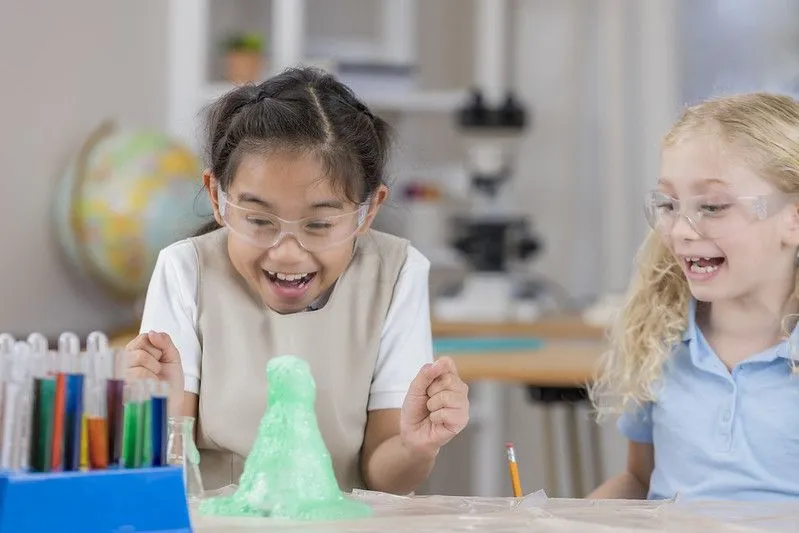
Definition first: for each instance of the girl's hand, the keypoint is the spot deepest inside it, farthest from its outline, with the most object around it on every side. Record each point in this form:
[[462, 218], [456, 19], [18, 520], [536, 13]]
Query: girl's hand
[[436, 408], [153, 356]]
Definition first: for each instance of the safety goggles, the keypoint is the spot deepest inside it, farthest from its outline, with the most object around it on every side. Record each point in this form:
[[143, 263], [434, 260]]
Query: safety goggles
[[712, 216], [315, 234]]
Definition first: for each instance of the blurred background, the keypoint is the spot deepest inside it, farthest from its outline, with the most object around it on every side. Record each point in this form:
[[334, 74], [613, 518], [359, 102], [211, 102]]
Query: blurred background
[[527, 133]]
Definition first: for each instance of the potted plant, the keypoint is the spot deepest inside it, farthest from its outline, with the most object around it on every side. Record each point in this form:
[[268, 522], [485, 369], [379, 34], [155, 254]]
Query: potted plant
[[243, 57]]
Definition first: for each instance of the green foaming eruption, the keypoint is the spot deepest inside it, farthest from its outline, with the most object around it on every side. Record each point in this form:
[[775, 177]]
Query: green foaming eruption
[[289, 472]]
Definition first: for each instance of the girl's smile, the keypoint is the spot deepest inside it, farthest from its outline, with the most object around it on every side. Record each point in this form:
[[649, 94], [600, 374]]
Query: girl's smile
[[289, 285]]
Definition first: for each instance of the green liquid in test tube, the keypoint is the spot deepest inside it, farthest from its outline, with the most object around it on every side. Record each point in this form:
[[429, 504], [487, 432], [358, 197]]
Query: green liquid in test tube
[[131, 425], [145, 434]]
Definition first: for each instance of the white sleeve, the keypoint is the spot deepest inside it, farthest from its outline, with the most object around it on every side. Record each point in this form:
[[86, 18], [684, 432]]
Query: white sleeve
[[171, 306], [406, 342]]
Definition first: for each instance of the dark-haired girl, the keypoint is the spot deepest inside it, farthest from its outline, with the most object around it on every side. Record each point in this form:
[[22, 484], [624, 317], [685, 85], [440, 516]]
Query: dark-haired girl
[[289, 265]]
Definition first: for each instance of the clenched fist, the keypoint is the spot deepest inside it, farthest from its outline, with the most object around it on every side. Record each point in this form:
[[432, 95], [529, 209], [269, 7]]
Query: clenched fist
[[436, 407]]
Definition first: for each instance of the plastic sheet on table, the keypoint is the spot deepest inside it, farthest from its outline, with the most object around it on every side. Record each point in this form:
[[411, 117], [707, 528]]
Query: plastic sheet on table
[[388, 505], [782, 517], [533, 513]]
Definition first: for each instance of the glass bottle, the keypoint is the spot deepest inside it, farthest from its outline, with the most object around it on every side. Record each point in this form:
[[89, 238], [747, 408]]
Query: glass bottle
[[181, 450]]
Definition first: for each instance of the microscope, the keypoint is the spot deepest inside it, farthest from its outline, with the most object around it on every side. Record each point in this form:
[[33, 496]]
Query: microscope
[[492, 237]]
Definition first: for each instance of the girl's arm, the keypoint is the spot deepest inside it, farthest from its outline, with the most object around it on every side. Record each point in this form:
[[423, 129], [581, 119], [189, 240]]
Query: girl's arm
[[191, 404], [405, 346], [171, 307], [386, 464], [400, 447], [634, 483]]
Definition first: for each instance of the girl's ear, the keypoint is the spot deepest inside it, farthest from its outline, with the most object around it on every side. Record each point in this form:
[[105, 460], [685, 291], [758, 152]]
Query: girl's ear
[[375, 201], [211, 185], [791, 236]]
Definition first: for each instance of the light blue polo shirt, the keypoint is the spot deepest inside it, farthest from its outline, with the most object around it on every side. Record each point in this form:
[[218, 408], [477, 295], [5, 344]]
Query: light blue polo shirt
[[721, 435]]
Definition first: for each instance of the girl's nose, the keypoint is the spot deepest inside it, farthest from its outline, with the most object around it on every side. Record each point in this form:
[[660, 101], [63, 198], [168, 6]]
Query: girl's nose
[[684, 229], [287, 249]]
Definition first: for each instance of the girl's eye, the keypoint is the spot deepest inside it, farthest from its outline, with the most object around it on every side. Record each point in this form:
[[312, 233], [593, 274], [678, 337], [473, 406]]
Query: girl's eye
[[259, 221], [713, 209], [318, 225]]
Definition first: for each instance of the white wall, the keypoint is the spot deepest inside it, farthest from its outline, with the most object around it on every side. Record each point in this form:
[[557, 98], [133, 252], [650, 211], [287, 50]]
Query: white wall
[[64, 67]]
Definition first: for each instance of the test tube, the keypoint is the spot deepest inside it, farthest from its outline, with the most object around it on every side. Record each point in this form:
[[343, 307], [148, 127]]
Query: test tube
[[158, 423], [68, 349], [37, 366], [9, 404], [38, 344], [26, 410], [93, 453], [95, 383], [146, 431], [6, 348], [131, 441], [97, 342], [73, 423], [96, 349], [7, 342], [97, 426], [3, 373], [41, 441], [115, 396], [15, 413]]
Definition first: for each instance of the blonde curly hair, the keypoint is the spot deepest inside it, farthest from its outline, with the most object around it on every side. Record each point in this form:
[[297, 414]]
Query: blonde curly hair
[[764, 128]]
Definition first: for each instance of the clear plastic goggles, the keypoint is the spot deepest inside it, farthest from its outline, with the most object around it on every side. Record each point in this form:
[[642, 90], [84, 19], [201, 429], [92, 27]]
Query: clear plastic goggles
[[315, 234], [712, 216]]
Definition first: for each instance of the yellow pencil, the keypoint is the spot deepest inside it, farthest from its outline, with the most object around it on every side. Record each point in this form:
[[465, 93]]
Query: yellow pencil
[[513, 467]]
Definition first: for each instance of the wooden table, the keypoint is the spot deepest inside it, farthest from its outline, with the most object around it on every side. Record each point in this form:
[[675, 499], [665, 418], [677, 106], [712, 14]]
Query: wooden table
[[548, 328], [555, 364]]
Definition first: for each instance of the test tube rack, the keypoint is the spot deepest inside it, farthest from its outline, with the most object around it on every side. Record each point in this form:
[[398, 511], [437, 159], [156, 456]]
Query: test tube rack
[[142, 500]]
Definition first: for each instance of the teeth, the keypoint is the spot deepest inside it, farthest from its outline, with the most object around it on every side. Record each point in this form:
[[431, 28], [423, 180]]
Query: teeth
[[287, 277], [703, 270], [693, 265]]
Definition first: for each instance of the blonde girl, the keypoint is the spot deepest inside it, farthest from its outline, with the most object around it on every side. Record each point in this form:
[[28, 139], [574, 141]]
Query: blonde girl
[[702, 353]]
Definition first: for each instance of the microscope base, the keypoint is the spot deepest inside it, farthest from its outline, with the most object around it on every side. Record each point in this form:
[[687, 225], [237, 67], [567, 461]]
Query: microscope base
[[487, 297]]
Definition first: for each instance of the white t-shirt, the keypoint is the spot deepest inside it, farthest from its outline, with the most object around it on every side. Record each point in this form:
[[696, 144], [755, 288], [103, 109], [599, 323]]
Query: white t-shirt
[[405, 344]]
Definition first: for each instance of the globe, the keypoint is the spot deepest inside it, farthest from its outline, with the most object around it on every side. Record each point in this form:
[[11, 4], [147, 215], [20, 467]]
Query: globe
[[124, 197]]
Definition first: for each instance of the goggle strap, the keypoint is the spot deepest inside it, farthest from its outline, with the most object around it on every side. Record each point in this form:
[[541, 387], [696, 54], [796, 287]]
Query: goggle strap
[[363, 211], [222, 199]]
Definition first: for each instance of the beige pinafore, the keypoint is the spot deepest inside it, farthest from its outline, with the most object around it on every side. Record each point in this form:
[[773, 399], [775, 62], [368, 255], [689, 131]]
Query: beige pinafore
[[340, 341]]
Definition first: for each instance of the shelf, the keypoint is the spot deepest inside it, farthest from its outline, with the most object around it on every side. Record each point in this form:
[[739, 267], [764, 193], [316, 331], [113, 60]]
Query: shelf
[[410, 101]]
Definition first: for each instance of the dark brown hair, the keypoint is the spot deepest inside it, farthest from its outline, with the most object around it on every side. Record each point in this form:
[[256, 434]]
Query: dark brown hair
[[304, 110]]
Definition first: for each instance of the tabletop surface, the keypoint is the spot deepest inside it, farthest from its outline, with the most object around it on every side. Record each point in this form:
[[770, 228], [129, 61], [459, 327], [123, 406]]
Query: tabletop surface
[[535, 513]]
